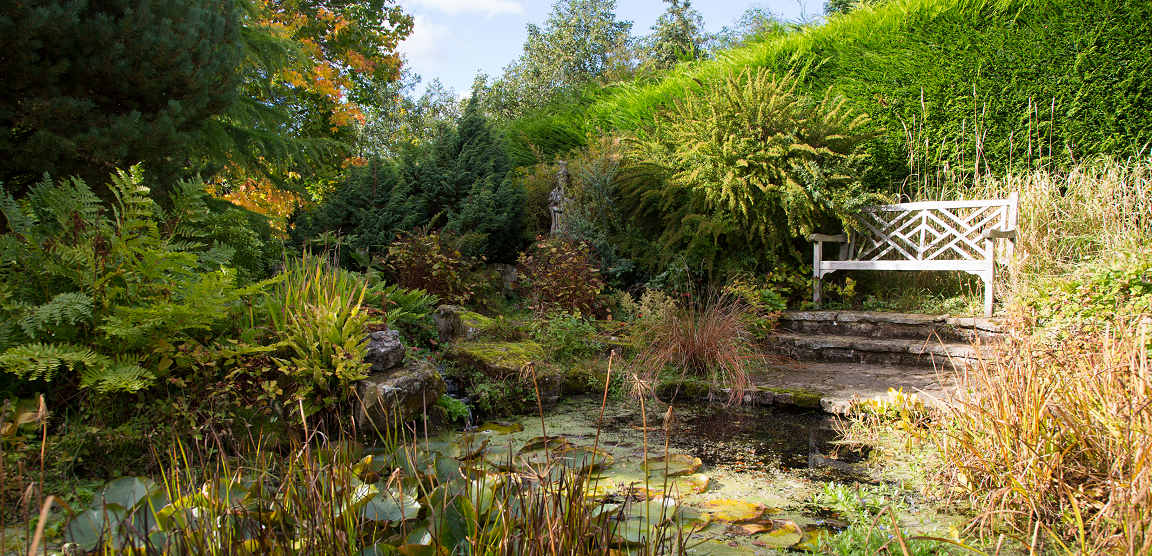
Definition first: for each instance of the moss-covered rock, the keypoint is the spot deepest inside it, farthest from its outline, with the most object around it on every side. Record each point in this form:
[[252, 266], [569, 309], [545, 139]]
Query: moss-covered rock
[[496, 359]]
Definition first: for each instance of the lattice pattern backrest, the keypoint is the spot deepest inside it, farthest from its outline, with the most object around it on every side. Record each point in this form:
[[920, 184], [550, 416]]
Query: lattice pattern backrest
[[928, 231]]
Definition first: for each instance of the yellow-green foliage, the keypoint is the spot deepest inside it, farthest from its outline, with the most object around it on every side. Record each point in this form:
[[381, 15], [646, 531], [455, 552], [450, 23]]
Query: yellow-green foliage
[[753, 164], [317, 311]]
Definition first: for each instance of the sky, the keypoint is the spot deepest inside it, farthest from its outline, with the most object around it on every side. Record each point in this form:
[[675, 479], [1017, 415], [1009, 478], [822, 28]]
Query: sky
[[454, 39]]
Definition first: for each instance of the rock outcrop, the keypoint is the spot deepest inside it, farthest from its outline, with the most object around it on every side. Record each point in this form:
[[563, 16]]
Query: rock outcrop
[[457, 323], [398, 389], [385, 351], [402, 394]]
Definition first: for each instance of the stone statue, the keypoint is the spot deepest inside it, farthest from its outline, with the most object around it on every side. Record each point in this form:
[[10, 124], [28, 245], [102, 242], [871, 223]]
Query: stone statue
[[558, 199]]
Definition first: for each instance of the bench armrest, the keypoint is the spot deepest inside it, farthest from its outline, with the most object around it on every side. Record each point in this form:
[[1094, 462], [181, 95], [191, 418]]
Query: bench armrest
[[838, 238]]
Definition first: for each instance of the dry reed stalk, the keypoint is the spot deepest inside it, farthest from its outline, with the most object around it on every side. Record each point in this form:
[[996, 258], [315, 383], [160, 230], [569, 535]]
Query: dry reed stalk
[[1059, 438]]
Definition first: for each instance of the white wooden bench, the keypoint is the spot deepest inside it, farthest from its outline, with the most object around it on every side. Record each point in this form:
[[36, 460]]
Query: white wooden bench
[[933, 235]]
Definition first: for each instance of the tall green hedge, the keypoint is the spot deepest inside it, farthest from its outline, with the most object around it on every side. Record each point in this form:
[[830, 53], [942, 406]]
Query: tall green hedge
[[1069, 74]]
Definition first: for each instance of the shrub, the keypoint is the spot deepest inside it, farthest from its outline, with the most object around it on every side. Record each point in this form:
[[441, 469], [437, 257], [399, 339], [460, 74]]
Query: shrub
[[707, 338], [407, 310], [456, 410], [764, 303], [753, 166], [103, 297], [426, 260], [1093, 299], [458, 182], [566, 337], [560, 276], [317, 313]]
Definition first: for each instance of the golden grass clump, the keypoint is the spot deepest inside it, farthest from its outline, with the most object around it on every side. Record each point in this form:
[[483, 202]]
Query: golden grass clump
[[1054, 442]]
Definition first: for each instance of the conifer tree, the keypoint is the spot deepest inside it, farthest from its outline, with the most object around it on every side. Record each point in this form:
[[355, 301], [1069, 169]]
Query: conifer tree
[[91, 86]]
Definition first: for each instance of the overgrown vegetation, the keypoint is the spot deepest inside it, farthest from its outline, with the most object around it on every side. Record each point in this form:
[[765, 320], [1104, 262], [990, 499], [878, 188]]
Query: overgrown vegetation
[[99, 295], [143, 312]]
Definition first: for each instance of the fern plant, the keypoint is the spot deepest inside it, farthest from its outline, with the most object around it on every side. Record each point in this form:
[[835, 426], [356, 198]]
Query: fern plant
[[99, 292]]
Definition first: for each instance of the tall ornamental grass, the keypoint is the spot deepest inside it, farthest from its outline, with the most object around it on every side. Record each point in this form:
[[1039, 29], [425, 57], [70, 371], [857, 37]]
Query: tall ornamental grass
[[1053, 443]]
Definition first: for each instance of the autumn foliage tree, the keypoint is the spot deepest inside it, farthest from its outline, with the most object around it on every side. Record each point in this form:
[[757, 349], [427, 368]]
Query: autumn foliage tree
[[311, 68]]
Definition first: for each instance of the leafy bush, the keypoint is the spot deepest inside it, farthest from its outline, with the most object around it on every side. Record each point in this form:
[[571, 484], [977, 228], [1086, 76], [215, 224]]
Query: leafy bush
[[1094, 299], [754, 165], [763, 302], [317, 313], [566, 337], [560, 276], [456, 410], [427, 260], [257, 249], [407, 310], [103, 292]]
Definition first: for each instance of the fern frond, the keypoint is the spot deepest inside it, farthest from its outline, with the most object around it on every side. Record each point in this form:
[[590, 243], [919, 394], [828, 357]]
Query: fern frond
[[40, 361], [70, 308], [120, 375]]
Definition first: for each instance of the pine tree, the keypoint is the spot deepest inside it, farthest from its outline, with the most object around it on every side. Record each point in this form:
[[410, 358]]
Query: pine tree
[[91, 86]]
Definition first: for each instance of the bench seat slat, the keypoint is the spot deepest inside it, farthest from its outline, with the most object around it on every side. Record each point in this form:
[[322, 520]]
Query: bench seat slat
[[961, 265]]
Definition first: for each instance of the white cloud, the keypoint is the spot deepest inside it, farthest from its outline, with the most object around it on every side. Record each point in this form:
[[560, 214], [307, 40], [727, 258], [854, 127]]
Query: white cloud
[[485, 7], [424, 44]]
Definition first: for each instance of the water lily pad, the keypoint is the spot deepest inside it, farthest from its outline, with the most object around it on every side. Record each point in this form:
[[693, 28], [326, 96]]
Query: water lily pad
[[676, 465], [644, 521], [782, 533], [688, 484], [470, 450], [732, 511], [583, 458], [544, 442], [390, 507], [501, 427], [812, 540], [370, 468], [719, 548], [125, 492], [87, 528]]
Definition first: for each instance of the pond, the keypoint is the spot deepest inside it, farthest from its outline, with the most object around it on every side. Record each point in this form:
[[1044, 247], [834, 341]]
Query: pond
[[745, 479]]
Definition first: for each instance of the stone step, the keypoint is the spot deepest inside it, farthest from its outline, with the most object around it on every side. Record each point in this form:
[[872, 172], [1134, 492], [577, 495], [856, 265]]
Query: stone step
[[832, 387], [868, 324], [882, 351]]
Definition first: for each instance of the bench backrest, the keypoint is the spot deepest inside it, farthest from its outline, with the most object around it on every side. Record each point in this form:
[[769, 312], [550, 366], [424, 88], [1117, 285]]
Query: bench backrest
[[932, 230]]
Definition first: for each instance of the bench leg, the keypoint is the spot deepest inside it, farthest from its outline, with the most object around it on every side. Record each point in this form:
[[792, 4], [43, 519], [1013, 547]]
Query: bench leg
[[989, 291], [817, 253]]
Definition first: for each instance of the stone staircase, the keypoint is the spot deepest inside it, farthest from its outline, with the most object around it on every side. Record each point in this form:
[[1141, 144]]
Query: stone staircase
[[839, 357], [894, 339]]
